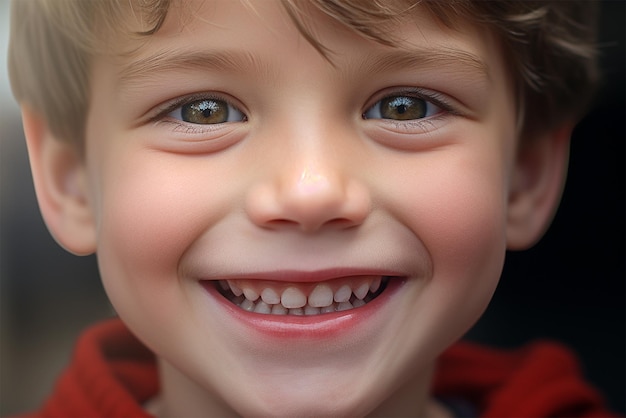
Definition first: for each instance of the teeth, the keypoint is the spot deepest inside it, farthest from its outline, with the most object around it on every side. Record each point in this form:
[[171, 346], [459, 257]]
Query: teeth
[[233, 288], [343, 294], [250, 294], [262, 307], [293, 301], [361, 291], [311, 310], [247, 305], [279, 310], [328, 309], [344, 306], [293, 298], [270, 296], [321, 296], [375, 285], [357, 303]]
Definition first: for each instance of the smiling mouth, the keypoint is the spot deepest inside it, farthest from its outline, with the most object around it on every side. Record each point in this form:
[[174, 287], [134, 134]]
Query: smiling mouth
[[300, 299]]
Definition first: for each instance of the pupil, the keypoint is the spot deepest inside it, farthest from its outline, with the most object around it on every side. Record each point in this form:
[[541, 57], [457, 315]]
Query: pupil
[[205, 112], [206, 108], [403, 108]]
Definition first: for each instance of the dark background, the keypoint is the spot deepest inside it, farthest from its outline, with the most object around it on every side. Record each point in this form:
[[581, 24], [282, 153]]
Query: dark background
[[570, 287]]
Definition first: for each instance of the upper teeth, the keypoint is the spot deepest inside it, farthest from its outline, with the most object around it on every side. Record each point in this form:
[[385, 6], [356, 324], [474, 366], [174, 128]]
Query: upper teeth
[[293, 299]]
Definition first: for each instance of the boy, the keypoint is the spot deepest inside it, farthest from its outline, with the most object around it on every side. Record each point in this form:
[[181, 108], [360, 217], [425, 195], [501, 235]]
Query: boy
[[298, 206]]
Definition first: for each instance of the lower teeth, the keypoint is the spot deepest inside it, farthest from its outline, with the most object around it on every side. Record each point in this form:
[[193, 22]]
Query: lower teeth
[[261, 307]]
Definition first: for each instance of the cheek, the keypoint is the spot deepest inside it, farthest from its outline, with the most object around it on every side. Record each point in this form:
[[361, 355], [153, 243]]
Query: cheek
[[458, 210], [152, 211], [467, 221]]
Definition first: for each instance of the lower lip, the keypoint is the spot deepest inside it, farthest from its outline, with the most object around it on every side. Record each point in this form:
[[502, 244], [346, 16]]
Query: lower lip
[[323, 326]]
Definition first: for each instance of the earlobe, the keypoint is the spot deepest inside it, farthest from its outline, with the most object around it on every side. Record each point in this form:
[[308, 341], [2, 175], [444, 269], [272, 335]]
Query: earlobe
[[60, 184], [536, 186]]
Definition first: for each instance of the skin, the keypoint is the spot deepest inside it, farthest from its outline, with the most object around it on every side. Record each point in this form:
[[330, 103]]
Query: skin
[[303, 183]]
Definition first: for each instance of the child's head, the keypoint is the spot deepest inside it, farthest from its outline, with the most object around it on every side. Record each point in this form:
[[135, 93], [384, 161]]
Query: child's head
[[358, 158]]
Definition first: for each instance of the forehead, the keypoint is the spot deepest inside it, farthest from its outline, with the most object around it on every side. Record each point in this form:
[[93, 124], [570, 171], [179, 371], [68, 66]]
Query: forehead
[[266, 27]]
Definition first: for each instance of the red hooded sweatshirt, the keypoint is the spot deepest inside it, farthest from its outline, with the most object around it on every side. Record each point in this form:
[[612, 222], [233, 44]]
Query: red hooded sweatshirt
[[112, 375]]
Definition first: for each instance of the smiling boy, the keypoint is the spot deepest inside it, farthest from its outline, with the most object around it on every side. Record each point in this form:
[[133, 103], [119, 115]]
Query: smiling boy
[[297, 207]]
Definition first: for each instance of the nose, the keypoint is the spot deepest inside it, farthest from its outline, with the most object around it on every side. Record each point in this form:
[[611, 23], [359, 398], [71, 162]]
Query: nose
[[309, 196]]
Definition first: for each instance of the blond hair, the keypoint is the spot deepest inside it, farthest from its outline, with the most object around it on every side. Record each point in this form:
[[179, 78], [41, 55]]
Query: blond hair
[[549, 47]]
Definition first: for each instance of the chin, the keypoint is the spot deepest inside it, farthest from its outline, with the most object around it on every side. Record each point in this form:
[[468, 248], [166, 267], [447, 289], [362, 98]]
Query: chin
[[299, 400]]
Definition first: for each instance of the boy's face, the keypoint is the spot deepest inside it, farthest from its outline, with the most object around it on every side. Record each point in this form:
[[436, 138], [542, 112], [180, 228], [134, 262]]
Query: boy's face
[[227, 148]]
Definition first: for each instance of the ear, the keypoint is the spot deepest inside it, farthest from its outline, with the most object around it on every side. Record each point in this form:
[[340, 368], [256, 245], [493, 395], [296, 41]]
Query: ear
[[536, 187], [60, 184]]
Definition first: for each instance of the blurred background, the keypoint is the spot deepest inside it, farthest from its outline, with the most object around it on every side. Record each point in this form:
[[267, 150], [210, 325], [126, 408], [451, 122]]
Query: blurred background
[[570, 287]]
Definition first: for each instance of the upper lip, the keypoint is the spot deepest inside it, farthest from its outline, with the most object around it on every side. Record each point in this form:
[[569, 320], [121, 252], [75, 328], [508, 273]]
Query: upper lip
[[298, 276]]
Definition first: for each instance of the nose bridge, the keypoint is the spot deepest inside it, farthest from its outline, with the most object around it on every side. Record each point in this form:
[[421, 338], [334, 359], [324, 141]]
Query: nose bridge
[[312, 185]]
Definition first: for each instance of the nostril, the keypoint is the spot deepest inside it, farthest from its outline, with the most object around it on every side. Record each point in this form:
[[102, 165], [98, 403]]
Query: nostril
[[281, 223], [342, 223], [337, 223]]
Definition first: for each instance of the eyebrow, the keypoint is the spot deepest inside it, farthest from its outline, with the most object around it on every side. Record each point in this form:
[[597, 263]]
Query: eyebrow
[[183, 60], [445, 58]]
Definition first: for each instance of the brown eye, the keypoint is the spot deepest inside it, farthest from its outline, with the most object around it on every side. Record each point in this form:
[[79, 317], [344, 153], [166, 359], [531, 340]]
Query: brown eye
[[401, 108], [208, 112]]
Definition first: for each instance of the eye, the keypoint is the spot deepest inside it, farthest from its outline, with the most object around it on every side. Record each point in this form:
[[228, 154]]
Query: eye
[[207, 112], [401, 108]]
